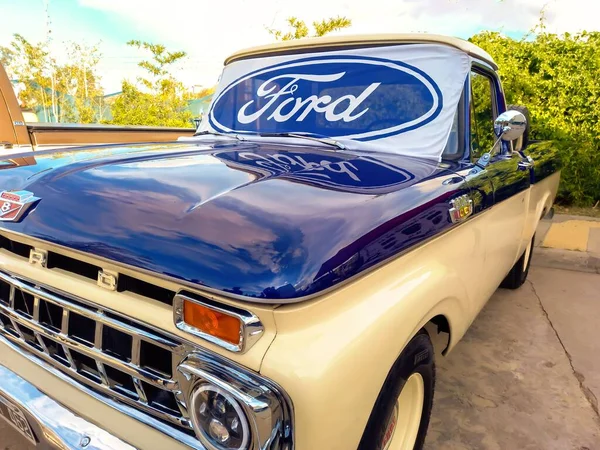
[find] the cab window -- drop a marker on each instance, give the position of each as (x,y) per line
(455,146)
(482,114)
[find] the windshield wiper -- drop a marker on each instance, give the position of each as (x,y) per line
(216,133)
(322,139)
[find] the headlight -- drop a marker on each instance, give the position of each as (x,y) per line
(231,408)
(218,419)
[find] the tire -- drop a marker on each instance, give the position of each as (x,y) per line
(416,360)
(518,274)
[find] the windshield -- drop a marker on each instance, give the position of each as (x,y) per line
(373,97)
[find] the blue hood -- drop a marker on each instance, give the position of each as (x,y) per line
(268,221)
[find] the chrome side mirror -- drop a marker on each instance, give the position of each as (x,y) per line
(510,125)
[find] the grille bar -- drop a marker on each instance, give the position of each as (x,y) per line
(98,355)
(98,317)
(94,347)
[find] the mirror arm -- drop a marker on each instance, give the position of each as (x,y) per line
(484,160)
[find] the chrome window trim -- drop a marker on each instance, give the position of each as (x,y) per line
(251,327)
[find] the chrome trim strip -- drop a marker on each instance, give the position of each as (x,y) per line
(146,419)
(54,425)
(251,326)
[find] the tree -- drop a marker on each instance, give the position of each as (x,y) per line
(85,84)
(159,100)
(556,77)
(27,65)
(204,92)
(6,56)
(300,30)
(61,92)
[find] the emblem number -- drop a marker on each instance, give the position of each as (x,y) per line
(460,208)
(14,204)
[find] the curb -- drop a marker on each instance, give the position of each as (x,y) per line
(565,259)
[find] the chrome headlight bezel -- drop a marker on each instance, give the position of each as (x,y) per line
(266,406)
(195,413)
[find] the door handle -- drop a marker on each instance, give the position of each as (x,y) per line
(6,144)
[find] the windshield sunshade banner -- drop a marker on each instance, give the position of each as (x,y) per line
(399,99)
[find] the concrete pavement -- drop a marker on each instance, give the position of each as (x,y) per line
(571,301)
(573,233)
(569,242)
(520,378)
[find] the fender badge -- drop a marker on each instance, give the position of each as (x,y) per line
(460,208)
(14,204)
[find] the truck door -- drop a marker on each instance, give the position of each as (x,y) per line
(504,209)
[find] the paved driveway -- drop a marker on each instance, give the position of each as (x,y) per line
(526,375)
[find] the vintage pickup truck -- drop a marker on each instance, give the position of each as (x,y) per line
(17,135)
(274,281)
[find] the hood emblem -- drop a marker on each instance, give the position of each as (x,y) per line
(14,204)
(460,208)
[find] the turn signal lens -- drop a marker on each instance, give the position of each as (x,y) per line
(215,323)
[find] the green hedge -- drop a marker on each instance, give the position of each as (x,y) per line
(558,79)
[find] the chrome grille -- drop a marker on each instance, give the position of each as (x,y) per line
(109,353)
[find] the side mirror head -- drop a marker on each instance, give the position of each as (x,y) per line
(510,125)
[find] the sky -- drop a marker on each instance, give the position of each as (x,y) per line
(211,30)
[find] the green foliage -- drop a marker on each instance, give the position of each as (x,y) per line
(66,92)
(204,92)
(159,100)
(483,137)
(557,78)
(300,30)
(6,55)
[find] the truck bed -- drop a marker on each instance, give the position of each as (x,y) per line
(58,134)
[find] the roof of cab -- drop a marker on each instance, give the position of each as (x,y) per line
(292,46)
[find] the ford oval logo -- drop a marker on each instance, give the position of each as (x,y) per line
(361,175)
(354,97)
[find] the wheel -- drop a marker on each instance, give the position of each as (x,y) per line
(400,417)
(518,274)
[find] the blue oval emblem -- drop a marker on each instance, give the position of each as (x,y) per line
(353,97)
(362,175)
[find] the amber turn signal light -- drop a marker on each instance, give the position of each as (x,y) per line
(214,323)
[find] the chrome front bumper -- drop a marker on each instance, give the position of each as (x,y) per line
(54,426)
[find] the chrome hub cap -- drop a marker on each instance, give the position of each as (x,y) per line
(403,428)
